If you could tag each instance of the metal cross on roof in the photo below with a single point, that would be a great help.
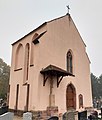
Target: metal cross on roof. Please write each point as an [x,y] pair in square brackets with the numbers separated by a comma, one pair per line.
[68,8]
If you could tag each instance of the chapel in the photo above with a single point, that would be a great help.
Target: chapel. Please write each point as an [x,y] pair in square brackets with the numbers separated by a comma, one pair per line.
[50,70]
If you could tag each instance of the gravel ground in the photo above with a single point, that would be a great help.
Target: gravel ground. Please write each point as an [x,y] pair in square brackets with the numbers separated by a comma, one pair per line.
[17,118]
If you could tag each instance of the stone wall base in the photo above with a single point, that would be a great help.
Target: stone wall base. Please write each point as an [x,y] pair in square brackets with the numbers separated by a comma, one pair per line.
[39,115]
[45,114]
[17,112]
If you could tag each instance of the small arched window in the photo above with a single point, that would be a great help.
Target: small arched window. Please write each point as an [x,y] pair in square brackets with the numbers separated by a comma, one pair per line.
[80,101]
[69,62]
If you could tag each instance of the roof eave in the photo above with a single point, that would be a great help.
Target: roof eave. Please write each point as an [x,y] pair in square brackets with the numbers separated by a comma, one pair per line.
[29,33]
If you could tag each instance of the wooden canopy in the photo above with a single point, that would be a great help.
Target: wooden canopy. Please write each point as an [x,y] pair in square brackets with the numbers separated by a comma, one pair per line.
[51,71]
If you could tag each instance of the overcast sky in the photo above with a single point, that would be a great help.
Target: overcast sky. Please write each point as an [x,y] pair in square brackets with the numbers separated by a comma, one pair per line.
[18,17]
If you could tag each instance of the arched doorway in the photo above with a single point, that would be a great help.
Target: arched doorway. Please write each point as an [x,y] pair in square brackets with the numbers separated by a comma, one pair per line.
[70,97]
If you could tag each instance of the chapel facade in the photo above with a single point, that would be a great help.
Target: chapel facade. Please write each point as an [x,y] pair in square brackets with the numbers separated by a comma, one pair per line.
[50,69]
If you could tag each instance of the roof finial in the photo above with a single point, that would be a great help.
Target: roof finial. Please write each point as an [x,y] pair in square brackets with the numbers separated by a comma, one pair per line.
[68,8]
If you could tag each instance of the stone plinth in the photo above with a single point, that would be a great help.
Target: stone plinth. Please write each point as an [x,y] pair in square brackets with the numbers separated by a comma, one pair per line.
[27,116]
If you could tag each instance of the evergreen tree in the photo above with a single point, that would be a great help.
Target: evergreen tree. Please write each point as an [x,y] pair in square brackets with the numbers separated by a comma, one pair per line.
[4,78]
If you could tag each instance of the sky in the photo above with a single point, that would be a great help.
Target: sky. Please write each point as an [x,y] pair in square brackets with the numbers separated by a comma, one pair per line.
[19,17]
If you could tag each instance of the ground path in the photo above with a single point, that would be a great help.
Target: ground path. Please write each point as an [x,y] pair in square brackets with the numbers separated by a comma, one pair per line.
[17,118]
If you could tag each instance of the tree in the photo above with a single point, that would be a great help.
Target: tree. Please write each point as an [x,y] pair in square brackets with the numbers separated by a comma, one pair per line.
[96,86]
[4,78]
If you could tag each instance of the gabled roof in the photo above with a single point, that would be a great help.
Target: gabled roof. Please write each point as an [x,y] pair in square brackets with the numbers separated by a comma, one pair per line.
[49,22]
[39,28]
[30,32]
[58,18]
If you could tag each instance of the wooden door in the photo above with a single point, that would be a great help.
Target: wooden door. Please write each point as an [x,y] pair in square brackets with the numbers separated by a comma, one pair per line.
[70,97]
